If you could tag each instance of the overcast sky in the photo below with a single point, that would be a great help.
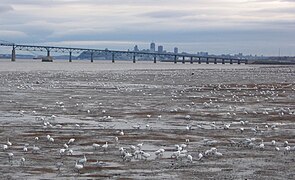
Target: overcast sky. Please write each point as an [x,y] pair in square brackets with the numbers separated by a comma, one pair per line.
[217,26]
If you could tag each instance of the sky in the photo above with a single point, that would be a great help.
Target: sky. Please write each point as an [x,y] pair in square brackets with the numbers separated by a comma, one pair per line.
[262,27]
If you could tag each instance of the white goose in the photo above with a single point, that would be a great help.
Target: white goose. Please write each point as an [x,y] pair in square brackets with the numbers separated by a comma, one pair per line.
[62,152]
[261,145]
[22,161]
[8,142]
[83,160]
[190,158]
[200,156]
[116,140]
[105,146]
[78,167]
[144,155]
[71,141]
[25,149]
[95,146]
[121,133]
[5,147]
[139,146]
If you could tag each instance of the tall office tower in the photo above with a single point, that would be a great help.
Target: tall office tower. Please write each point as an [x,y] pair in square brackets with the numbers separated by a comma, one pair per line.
[153,47]
[160,49]
[136,48]
[176,50]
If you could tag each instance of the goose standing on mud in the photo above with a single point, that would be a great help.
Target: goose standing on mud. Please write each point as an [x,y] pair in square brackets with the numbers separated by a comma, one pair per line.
[105,146]
[71,141]
[8,142]
[121,133]
[62,152]
[190,158]
[83,160]
[116,140]
[5,147]
[22,161]
[25,149]
[261,145]
[95,146]
[78,167]
[200,156]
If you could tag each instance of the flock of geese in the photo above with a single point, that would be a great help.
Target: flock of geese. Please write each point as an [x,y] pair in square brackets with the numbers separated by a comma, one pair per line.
[180,153]
[133,152]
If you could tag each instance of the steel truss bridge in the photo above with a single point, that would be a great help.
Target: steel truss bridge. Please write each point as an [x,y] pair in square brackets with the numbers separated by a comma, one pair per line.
[175,57]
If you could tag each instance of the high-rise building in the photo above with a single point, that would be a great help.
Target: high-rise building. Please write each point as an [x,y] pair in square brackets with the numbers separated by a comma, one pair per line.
[153,47]
[176,50]
[160,49]
[136,48]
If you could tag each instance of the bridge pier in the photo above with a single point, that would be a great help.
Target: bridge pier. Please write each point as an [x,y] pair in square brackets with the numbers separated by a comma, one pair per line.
[239,61]
[13,55]
[183,60]
[155,59]
[175,59]
[134,59]
[199,60]
[231,61]
[113,57]
[215,60]
[207,61]
[223,61]
[91,56]
[192,60]
[70,56]
[48,52]
[246,61]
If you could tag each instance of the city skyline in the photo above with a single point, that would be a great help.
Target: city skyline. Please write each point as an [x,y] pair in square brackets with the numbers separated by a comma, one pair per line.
[219,27]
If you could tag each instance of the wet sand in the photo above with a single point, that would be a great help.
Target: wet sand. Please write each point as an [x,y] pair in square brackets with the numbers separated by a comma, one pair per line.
[105,101]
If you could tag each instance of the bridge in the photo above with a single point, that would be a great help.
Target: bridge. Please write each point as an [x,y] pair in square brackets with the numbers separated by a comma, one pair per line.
[175,57]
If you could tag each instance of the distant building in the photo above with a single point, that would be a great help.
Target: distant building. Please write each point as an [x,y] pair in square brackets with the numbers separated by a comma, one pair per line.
[176,50]
[202,53]
[136,48]
[160,49]
[153,47]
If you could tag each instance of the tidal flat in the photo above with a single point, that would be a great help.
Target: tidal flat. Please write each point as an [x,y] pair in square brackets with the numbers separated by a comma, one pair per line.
[235,121]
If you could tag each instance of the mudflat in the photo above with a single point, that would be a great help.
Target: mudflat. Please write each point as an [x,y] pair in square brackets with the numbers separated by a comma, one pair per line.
[240,119]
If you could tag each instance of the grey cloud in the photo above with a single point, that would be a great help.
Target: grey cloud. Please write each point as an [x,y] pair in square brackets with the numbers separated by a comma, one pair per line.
[166,14]
[5,8]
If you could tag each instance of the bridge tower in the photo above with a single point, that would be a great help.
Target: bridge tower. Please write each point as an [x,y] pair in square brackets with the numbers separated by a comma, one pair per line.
[113,57]
[134,58]
[91,56]
[70,56]
[13,55]
[48,52]
[175,59]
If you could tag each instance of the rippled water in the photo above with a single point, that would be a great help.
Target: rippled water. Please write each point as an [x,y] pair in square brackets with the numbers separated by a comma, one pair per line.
[36,65]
